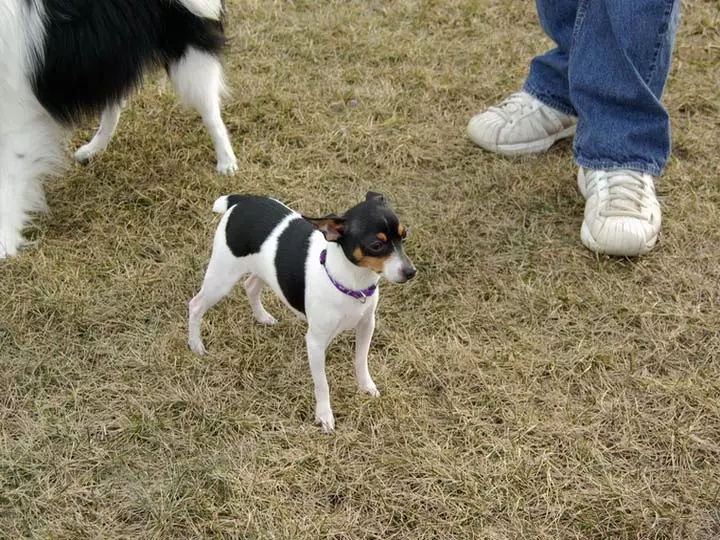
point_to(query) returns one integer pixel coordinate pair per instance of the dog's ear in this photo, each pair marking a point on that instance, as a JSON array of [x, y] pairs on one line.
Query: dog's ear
[[375, 196], [331, 226]]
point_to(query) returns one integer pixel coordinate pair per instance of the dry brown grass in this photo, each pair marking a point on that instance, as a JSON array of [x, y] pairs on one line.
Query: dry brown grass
[[530, 390]]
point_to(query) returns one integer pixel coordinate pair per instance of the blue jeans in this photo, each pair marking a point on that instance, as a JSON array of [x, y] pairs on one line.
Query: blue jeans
[[609, 69]]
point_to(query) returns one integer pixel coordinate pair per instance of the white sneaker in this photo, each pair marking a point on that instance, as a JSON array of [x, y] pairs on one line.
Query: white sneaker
[[622, 213], [520, 125]]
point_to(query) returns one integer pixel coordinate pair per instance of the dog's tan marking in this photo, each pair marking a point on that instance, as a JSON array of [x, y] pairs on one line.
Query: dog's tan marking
[[358, 255], [375, 264], [401, 231], [382, 236]]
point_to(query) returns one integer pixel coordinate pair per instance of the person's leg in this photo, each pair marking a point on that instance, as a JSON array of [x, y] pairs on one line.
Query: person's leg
[[533, 120], [547, 79], [618, 68]]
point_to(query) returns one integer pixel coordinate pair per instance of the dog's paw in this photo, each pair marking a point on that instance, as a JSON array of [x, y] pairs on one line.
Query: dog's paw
[[227, 166], [266, 319], [84, 153], [197, 347], [370, 389], [325, 420], [10, 242]]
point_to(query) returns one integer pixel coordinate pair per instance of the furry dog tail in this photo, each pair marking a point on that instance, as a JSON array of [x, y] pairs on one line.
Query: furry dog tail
[[205, 9]]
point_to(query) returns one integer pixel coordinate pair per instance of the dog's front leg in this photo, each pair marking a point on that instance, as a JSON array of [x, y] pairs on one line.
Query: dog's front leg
[[316, 345], [363, 334]]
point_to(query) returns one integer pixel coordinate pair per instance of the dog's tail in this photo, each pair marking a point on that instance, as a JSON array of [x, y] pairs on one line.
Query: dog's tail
[[205, 9], [221, 205]]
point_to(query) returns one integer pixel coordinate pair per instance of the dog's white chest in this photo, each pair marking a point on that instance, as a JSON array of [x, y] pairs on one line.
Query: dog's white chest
[[349, 320], [339, 315]]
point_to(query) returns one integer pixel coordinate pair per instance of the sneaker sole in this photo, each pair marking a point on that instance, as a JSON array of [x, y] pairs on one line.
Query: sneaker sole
[[532, 147], [590, 243]]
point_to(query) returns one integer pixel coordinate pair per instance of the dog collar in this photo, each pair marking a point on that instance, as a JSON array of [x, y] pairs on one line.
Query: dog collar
[[358, 295]]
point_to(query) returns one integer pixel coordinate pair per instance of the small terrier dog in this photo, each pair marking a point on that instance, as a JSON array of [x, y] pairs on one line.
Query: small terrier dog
[[326, 270]]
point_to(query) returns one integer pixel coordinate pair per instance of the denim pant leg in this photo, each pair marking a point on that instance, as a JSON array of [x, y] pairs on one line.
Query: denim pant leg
[[548, 76], [618, 67]]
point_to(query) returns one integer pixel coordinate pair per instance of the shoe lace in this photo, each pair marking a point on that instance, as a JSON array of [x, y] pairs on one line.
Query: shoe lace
[[626, 194], [517, 102]]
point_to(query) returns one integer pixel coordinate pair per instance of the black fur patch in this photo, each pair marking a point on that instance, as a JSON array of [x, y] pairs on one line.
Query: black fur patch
[[291, 259], [96, 51], [251, 222]]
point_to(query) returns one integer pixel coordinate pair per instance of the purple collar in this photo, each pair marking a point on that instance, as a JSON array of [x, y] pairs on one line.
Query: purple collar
[[358, 295]]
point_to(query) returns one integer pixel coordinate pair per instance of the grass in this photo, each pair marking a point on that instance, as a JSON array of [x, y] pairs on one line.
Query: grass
[[530, 389]]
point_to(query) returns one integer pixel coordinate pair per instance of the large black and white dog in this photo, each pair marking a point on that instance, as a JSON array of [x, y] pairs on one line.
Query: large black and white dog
[[60, 59]]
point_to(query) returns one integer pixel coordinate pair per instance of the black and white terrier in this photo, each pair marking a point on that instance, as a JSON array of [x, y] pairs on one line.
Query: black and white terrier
[[326, 270], [61, 59]]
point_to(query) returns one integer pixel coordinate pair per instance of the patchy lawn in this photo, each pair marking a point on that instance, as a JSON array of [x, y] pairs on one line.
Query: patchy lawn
[[529, 389]]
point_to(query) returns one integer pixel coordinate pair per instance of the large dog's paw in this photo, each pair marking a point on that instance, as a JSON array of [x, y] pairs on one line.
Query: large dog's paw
[[10, 242], [370, 389], [84, 153], [265, 319], [227, 166], [196, 346], [324, 418]]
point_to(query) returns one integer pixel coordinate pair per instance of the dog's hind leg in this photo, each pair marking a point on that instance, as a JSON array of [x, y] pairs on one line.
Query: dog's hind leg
[[29, 149], [198, 79], [253, 287], [108, 124], [223, 272]]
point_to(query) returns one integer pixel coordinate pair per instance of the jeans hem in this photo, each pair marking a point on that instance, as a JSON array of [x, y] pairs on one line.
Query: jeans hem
[[548, 100], [606, 165]]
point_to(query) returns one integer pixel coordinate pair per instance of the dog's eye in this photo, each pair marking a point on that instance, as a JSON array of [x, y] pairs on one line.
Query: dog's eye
[[376, 246]]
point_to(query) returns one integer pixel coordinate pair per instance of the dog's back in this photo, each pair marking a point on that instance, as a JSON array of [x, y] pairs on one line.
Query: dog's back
[[251, 221]]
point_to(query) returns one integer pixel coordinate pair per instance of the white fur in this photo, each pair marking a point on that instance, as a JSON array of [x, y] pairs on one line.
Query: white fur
[[198, 80], [327, 310], [208, 9], [30, 141], [393, 268], [108, 124]]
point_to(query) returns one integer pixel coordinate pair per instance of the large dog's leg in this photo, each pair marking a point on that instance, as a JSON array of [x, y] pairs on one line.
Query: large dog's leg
[[29, 149], [108, 124], [198, 79]]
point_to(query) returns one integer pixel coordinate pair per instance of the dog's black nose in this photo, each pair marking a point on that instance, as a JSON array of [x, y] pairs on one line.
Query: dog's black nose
[[409, 272]]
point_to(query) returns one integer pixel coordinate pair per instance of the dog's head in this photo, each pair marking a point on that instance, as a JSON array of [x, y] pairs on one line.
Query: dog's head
[[371, 236]]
